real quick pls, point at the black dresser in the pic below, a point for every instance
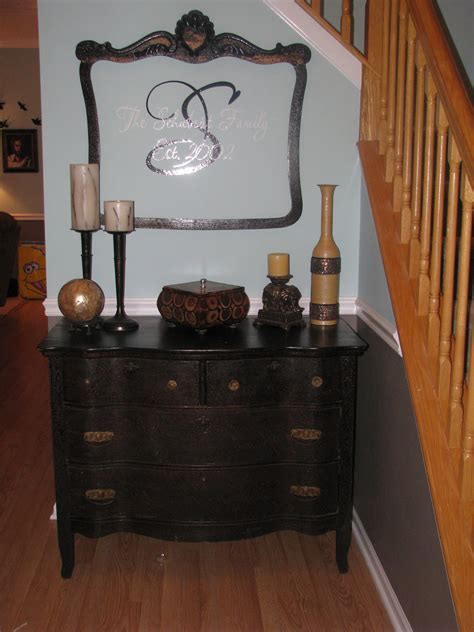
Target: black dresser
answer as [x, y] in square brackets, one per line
[218, 436]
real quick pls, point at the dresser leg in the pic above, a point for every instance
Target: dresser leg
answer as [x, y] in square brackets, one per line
[66, 548]
[343, 540]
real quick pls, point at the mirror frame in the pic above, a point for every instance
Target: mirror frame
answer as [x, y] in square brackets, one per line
[195, 42]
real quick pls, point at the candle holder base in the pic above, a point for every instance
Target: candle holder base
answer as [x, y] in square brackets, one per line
[280, 305]
[119, 322]
[86, 327]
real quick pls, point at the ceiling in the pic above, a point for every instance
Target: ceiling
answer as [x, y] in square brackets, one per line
[18, 24]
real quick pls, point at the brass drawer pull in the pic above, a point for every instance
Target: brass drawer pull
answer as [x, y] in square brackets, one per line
[171, 385]
[131, 367]
[100, 496]
[233, 385]
[274, 366]
[97, 438]
[304, 491]
[317, 381]
[306, 434]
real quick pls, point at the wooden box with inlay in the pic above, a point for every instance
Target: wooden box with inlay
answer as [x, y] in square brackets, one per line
[203, 304]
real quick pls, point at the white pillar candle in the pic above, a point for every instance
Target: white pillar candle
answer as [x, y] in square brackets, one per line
[278, 264]
[119, 216]
[85, 211]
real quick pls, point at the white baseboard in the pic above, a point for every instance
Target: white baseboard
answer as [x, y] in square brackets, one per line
[147, 306]
[348, 305]
[380, 325]
[382, 584]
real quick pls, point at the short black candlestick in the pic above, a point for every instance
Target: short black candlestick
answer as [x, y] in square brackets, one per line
[120, 322]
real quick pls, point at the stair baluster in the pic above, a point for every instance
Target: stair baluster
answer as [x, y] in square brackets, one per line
[457, 377]
[415, 245]
[427, 198]
[444, 361]
[405, 213]
[437, 242]
[400, 106]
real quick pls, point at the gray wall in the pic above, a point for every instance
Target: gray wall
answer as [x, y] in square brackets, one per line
[459, 18]
[391, 494]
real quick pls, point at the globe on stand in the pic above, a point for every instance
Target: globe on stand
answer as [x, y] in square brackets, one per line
[81, 301]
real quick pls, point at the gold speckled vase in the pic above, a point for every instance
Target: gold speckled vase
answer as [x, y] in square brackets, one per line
[325, 267]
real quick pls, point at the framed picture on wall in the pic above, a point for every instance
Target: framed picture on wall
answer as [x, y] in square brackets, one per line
[20, 150]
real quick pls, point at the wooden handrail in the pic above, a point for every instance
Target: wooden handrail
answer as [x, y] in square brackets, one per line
[447, 77]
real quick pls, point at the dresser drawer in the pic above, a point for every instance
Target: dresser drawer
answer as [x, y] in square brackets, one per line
[98, 381]
[201, 495]
[273, 381]
[201, 436]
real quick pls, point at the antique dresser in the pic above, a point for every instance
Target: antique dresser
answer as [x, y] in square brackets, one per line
[224, 435]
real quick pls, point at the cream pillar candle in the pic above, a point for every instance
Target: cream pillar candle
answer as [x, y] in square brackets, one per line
[278, 264]
[119, 216]
[85, 213]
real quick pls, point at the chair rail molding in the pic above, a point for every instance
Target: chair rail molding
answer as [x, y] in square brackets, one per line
[317, 37]
[28, 217]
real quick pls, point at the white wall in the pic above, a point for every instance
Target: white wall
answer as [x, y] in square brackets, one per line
[329, 134]
[19, 81]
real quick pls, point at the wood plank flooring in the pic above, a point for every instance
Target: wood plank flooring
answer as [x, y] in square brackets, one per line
[282, 582]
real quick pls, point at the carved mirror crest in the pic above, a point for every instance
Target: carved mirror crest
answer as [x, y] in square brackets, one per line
[194, 142]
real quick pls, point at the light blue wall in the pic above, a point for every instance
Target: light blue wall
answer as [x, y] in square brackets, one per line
[373, 288]
[154, 257]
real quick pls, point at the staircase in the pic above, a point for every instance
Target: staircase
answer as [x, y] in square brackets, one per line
[417, 152]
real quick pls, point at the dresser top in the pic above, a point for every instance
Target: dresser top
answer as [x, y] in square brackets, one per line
[154, 335]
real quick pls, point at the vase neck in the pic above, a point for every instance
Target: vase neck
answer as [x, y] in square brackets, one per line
[327, 194]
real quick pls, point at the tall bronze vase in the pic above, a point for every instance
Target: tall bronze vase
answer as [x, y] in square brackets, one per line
[325, 267]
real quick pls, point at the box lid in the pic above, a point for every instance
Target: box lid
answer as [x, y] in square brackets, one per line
[203, 287]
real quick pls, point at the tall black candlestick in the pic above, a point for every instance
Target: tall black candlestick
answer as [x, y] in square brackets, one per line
[120, 322]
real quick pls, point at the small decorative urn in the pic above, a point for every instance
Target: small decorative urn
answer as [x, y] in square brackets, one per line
[203, 304]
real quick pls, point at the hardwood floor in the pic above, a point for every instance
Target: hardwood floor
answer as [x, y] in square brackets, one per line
[283, 582]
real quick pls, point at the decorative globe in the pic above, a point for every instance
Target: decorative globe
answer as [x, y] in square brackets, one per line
[81, 300]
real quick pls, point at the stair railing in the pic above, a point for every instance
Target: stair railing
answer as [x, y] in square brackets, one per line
[425, 132]
[417, 142]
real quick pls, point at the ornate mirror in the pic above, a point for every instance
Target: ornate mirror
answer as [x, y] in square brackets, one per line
[210, 121]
